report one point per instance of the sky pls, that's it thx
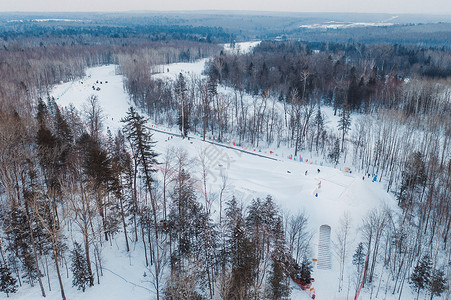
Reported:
(442, 7)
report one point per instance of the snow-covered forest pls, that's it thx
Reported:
(194, 169)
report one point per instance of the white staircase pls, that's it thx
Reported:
(324, 256)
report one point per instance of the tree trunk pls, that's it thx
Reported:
(124, 224)
(55, 257)
(88, 260)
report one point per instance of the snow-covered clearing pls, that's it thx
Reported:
(248, 176)
(240, 48)
(337, 25)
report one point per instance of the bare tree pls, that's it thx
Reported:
(94, 115)
(341, 243)
(299, 236)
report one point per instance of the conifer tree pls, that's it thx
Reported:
(97, 166)
(241, 253)
(306, 270)
(140, 139)
(120, 162)
(358, 259)
(41, 115)
(185, 127)
(79, 268)
(64, 137)
(277, 283)
(184, 216)
(18, 234)
(344, 124)
(354, 93)
(254, 223)
(319, 125)
(414, 178)
(421, 275)
(180, 90)
(7, 281)
(335, 154)
(437, 284)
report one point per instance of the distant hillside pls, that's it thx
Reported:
(227, 26)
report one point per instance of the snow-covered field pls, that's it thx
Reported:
(340, 25)
(240, 48)
(249, 176)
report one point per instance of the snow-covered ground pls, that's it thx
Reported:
(249, 176)
(337, 25)
(172, 71)
(340, 25)
(240, 48)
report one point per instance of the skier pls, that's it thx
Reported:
(306, 173)
(363, 178)
(318, 171)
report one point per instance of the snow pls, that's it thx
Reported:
(57, 20)
(249, 176)
(112, 97)
(240, 48)
(340, 25)
(187, 69)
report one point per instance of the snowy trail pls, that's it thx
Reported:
(125, 280)
(213, 143)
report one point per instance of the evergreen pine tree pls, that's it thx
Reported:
(212, 86)
(278, 288)
(277, 283)
(97, 167)
(7, 281)
(241, 253)
(140, 139)
(335, 154)
(139, 135)
(437, 284)
(269, 218)
(358, 259)
(319, 125)
(184, 214)
(254, 223)
(414, 178)
(421, 275)
(354, 93)
(186, 126)
(180, 90)
(306, 270)
(79, 268)
(64, 137)
(42, 112)
(344, 124)
(18, 234)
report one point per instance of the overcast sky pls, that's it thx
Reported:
(382, 6)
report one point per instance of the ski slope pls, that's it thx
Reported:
(248, 176)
